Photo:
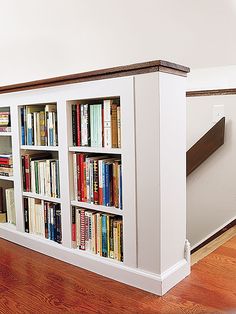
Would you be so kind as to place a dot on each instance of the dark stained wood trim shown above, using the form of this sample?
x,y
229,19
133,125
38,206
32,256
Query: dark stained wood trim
x,y
206,146
214,236
133,69
211,92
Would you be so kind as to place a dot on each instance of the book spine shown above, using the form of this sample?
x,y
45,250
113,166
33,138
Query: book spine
x,y
27,172
120,186
98,225
29,129
26,215
114,130
91,182
42,127
58,224
73,227
46,219
100,182
82,229
78,227
111,238
118,127
107,123
87,243
74,125
92,125
78,124
79,162
95,182
99,125
104,236
22,126
75,176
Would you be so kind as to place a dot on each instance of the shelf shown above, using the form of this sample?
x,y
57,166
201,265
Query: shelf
x,y
102,150
42,197
11,178
5,133
34,147
100,208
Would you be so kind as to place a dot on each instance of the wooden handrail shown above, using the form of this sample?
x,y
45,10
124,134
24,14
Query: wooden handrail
x,y
206,146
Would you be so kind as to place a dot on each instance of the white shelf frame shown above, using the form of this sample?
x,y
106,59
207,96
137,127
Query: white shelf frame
x,y
97,150
100,208
5,133
11,178
42,197
38,147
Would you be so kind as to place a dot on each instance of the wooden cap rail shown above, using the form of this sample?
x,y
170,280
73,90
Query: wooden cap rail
x,y
133,69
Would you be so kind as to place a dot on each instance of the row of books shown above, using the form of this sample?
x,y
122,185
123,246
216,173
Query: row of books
x,y
96,125
5,118
39,125
7,205
41,174
43,218
97,179
98,233
6,165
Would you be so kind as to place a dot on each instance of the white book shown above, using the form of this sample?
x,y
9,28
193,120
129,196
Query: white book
x,y
107,123
99,125
47,178
10,206
32,176
84,124
119,126
35,128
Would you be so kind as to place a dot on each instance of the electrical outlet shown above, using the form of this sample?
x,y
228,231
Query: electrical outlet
x,y
218,112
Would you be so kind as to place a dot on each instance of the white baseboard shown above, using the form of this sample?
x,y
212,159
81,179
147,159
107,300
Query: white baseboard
x,y
212,233
155,283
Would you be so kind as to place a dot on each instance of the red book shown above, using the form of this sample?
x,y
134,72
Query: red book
x,y
27,173
82,229
95,182
78,124
78,157
81,165
73,225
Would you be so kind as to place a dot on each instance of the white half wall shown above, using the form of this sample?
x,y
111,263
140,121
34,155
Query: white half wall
x,y
211,188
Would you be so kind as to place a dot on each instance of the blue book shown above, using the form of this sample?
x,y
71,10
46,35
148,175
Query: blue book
x,y
51,137
107,182
49,223
104,235
22,126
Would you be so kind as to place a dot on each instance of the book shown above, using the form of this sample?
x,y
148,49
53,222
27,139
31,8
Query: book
x,y
107,123
10,206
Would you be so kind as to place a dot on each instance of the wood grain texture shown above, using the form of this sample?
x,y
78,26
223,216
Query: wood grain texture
x,y
211,92
206,146
213,243
132,69
34,283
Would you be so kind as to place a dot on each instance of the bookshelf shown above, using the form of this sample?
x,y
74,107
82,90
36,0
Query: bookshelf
x,y
148,148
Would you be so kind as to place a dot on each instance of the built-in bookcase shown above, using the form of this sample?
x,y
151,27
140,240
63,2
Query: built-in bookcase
x,y
93,171
7,206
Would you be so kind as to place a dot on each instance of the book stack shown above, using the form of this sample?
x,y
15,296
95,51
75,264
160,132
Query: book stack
x,y
5,121
97,179
98,233
43,219
41,174
6,165
96,125
39,125
10,206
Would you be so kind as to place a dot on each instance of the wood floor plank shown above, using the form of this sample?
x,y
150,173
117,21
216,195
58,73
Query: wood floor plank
x,y
34,283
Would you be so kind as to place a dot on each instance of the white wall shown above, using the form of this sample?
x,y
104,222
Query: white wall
x,y
211,188
46,38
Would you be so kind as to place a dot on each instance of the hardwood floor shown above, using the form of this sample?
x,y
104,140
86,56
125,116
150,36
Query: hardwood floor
x,y
34,283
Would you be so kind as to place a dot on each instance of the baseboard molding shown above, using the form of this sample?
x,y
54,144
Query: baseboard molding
x,y
154,283
213,235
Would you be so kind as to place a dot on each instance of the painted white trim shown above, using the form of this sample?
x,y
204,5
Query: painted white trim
x,y
212,233
154,283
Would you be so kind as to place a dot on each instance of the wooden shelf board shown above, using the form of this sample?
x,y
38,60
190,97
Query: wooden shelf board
x,y
36,147
41,197
100,208
102,150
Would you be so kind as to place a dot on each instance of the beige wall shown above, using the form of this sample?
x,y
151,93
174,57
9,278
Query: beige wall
x,y
211,189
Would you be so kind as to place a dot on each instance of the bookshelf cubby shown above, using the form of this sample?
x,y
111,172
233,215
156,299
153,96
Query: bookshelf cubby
x,y
136,129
